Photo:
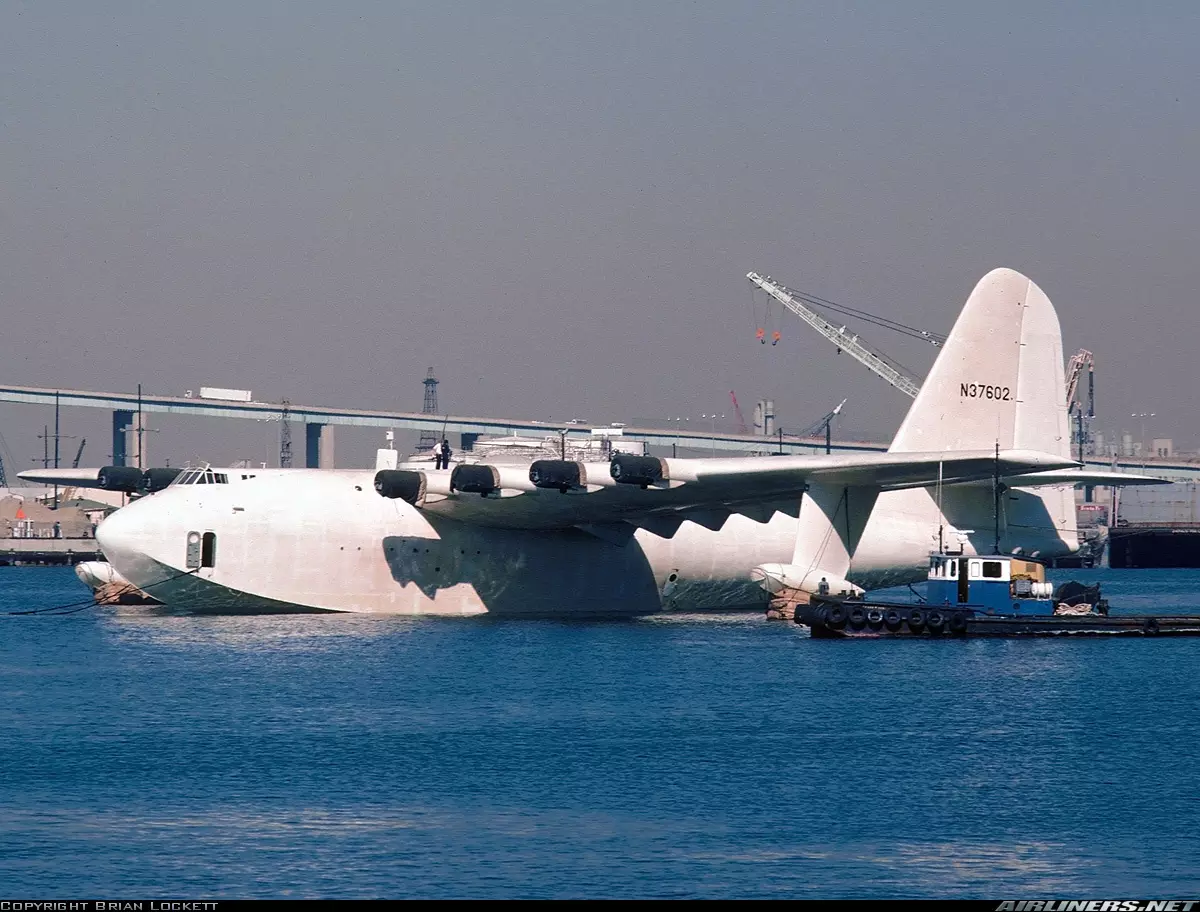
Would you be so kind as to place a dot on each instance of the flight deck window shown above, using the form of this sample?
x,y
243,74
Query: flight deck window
x,y
991,570
208,550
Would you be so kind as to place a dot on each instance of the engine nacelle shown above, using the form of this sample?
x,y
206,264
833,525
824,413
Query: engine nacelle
x,y
626,468
120,478
398,484
475,479
557,473
154,480
779,578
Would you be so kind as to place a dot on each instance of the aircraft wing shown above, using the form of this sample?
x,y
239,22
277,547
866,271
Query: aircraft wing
x,y
127,479
659,494
74,478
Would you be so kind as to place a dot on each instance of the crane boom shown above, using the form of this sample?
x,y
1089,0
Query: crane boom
x,y
737,411
845,342
1081,359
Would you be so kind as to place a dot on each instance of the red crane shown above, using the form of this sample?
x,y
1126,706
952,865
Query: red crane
x,y
737,410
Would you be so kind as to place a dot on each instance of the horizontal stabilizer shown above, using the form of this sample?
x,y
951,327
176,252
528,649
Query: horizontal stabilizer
x,y
1082,477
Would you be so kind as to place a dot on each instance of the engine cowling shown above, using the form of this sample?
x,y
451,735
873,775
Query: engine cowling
x,y
154,480
120,478
626,468
557,474
398,484
778,578
475,479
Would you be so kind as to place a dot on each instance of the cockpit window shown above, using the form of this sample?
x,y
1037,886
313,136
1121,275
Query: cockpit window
x,y
203,476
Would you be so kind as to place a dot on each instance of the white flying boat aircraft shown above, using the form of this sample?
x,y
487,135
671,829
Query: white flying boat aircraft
x,y
641,534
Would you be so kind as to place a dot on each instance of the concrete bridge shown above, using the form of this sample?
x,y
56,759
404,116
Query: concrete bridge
x,y
319,422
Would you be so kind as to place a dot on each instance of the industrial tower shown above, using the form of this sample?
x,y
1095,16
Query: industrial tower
x,y
285,435
429,439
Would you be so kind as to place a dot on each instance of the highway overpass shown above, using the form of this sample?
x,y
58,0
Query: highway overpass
x,y
319,420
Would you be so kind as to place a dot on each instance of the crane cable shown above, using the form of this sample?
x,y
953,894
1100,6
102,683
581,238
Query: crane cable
x,y
874,319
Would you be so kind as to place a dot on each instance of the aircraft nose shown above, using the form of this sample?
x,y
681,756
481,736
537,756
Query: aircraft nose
x,y
136,541
117,531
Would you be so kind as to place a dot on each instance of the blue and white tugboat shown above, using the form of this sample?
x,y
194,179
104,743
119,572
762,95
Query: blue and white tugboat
x,y
985,595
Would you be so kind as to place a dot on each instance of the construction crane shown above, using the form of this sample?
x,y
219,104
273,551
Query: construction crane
x,y
906,384
848,343
737,411
825,423
78,453
1083,419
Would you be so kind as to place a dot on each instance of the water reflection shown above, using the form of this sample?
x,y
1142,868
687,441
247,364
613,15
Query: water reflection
x,y
160,626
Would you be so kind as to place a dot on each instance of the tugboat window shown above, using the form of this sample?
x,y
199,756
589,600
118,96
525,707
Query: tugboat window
x,y
991,570
208,550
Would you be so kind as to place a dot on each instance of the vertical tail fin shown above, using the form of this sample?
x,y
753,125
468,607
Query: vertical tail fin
x,y
999,378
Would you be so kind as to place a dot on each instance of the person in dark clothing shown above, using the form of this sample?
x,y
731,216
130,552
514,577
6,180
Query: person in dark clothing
x,y
445,453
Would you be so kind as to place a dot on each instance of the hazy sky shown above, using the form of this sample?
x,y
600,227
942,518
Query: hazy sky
x,y
555,204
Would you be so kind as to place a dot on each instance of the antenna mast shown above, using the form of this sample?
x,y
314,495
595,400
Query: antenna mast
x,y
941,515
996,498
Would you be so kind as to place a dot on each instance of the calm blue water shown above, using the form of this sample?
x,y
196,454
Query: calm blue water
x,y
181,757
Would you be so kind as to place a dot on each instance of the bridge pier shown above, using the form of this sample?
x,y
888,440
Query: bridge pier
x,y
318,445
122,421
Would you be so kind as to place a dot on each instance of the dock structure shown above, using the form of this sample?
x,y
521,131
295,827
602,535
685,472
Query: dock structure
x,y
17,551
1154,544
1157,527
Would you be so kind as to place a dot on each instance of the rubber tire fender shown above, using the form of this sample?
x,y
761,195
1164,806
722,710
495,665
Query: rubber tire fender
x,y
837,617
935,621
857,618
958,622
874,618
892,619
916,620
